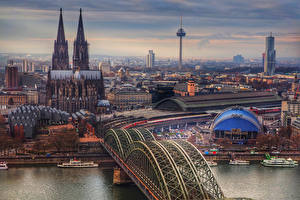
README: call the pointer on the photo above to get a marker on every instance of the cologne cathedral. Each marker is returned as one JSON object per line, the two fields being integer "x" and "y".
{"x": 72, "y": 89}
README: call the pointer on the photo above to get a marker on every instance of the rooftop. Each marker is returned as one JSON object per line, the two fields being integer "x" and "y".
{"x": 219, "y": 101}
{"x": 69, "y": 74}
{"x": 236, "y": 118}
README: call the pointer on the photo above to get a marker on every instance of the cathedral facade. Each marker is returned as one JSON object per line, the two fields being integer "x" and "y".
{"x": 77, "y": 88}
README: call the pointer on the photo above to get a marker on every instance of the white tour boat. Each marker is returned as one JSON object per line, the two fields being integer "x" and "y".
{"x": 239, "y": 162}
{"x": 3, "y": 165}
{"x": 212, "y": 163}
{"x": 279, "y": 162}
{"x": 77, "y": 164}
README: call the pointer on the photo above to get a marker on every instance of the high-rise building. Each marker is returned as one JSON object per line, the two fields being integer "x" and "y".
{"x": 60, "y": 57}
{"x": 11, "y": 77}
{"x": 80, "y": 53}
{"x": 150, "y": 59}
{"x": 104, "y": 67}
{"x": 180, "y": 34}
{"x": 270, "y": 55}
{"x": 263, "y": 59}
{"x": 238, "y": 59}
{"x": 25, "y": 66}
{"x": 32, "y": 68}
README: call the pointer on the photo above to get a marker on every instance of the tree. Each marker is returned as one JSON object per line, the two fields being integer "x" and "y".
{"x": 66, "y": 141}
{"x": 224, "y": 142}
{"x": 285, "y": 132}
{"x": 57, "y": 142}
{"x": 38, "y": 146}
{"x": 296, "y": 141}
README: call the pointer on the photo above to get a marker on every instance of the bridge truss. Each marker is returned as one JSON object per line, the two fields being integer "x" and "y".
{"x": 164, "y": 170}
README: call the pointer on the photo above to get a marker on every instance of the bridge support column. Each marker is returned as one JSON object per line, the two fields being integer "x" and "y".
{"x": 120, "y": 177}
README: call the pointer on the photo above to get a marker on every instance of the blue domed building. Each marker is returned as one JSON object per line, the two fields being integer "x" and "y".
{"x": 236, "y": 123}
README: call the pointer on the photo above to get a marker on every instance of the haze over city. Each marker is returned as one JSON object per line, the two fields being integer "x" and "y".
{"x": 215, "y": 29}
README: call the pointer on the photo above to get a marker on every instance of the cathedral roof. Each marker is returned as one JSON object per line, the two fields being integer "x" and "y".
{"x": 69, "y": 74}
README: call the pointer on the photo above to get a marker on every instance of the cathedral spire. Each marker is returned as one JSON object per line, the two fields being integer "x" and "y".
{"x": 60, "y": 31}
{"x": 60, "y": 57}
{"x": 80, "y": 30}
{"x": 80, "y": 50}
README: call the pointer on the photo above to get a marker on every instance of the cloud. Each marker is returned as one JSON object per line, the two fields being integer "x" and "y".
{"x": 234, "y": 25}
{"x": 203, "y": 43}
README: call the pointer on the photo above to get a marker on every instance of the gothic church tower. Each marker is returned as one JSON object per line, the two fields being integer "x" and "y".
{"x": 80, "y": 53}
{"x": 60, "y": 57}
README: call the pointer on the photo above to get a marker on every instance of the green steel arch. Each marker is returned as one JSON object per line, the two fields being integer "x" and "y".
{"x": 187, "y": 169}
{"x": 120, "y": 139}
{"x": 168, "y": 168}
{"x": 171, "y": 169}
{"x": 136, "y": 135}
{"x": 112, "y": 139}
{"x": 147, "y": 135}
{"x": 204, "y": 172}
{"x": 145, "y": 165}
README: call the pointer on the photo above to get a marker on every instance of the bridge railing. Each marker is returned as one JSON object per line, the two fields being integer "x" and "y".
{"x": 151, "y": 195}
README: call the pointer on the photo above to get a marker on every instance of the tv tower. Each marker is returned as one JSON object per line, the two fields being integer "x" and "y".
{"x": 180, "y": 34}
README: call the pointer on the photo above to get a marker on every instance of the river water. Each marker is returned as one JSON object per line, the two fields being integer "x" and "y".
{"x": 51, "y": 183}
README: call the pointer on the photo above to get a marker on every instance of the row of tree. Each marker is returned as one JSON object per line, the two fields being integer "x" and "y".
{"x": 7, "y": 144}
{"x": 283, "y": 143}
{"x": 60, "y": 142}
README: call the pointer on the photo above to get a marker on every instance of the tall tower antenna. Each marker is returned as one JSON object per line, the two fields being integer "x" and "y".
{"x": 180, "y": 34}
{"x": 181, "y": 21}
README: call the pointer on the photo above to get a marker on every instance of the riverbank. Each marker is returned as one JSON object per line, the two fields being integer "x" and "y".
{"x": 227, "y": 156}
{"x": 104, "y": 160}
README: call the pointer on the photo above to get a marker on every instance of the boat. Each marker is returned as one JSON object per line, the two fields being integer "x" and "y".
{"x": 3, "y": 165}
{"x": 77, "y": 164}
{"x": 212, "y": 163}
{"x": 239, "y": 162}
{"x": 279, "y": 162}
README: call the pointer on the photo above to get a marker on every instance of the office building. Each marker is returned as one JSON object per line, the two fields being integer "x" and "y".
{"x": 270, "y": 56}
{"x": 128, "y": 98}
{"x": 150, "y": 59}
{"x": 238, "y": 59}
{"x": 104, "y": 67}
{"x": 11, "y": 77}
{"x": 25, "y": 66}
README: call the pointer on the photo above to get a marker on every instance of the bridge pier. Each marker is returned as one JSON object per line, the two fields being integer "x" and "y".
{"x": 120, "y": 177}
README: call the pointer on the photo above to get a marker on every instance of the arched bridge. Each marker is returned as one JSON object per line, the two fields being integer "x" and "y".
{"x": 163, "y": 170}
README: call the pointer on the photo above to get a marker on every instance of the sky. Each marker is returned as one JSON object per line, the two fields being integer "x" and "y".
{"x": 214, "y": 28}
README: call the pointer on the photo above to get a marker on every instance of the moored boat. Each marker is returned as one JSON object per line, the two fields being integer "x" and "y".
{"x": 212, "y": 163}
{"x": 239, "y": 162}
{"x": 77, "y": 164}
{"x": 3, "y": 165}
{"x": 279, "y": 162}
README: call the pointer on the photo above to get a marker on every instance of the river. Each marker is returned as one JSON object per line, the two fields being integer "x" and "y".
{"x": 51, "y": 183}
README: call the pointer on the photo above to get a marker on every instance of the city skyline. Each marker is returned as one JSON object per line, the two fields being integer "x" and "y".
{"x": 216, "y": 29}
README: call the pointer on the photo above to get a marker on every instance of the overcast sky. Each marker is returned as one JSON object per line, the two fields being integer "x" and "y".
{"x": 215, "y": 28}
